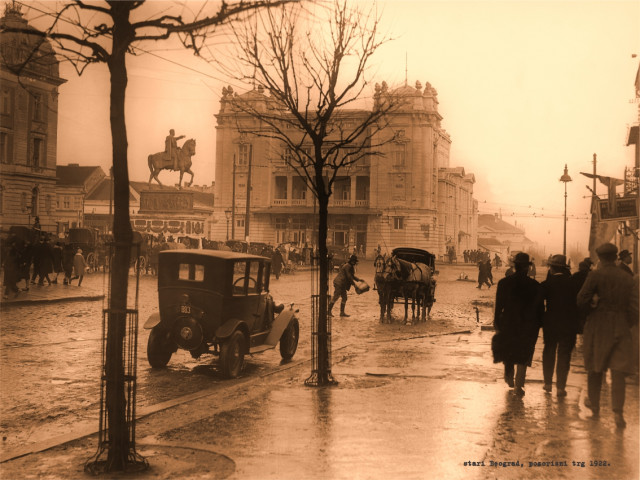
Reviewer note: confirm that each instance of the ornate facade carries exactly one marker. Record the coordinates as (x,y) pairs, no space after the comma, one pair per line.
(29,82)
(408,196)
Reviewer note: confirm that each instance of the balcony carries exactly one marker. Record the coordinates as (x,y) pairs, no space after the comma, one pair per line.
(362,203)
(299,202)
(279,201)
(340,203)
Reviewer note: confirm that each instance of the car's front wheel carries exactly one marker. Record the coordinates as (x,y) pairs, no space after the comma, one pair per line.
(289,340)
(158,352)
(232,355)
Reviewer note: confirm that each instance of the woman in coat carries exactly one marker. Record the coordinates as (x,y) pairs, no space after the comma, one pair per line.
(518,316)
(607,335)
(79,266)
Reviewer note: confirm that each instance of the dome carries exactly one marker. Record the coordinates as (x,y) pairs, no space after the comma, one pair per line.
(17,48)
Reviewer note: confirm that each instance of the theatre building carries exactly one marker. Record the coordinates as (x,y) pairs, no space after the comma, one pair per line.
(408,196)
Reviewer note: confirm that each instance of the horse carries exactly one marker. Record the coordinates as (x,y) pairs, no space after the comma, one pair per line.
(415,284)
(161,161)
(384,283)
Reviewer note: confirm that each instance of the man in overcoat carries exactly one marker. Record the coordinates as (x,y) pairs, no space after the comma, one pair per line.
(607,335)
(342,283)
(560,323)
(518,316)
(625,261)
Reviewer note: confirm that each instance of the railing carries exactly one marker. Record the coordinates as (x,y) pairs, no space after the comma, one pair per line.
(299,201)
(340,203)
(362,203)
(280,201)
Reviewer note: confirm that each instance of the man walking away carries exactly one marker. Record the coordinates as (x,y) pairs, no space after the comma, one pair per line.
(483,274)
(607,335)
(342,283)
(560,323)
(57,260)
(79,267)
(518,315)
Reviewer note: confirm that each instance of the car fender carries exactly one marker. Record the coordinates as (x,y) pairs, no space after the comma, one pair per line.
(279,326)
(225,330)
(152,321)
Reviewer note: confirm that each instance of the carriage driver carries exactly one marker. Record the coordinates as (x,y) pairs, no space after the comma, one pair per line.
(171,147)
(342,283)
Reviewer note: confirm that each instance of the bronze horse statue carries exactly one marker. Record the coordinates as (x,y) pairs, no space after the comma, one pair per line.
(161,161)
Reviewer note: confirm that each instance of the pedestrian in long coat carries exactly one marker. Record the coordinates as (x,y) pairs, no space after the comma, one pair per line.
(11,267)
(560,323)
(578,279)
(45,253)
(57,260)
(79,266)
(607,335)
(276,262)
(483,275)
(67,263)
(518,316)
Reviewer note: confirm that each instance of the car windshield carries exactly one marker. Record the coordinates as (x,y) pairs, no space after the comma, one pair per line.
(247,277)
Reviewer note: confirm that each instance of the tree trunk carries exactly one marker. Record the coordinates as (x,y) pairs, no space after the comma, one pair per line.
(323,344)
(122,235)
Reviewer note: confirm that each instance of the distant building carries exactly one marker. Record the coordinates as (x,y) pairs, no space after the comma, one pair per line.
(73,184)
(497,236)
(28,125)
(409,196)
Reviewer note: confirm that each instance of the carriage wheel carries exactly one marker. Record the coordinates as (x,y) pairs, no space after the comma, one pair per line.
(91,262)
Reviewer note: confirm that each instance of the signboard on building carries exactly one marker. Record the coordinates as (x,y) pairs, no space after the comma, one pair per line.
(166,202)
(624,209)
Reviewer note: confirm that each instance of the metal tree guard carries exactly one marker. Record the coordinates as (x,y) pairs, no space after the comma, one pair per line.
(318,371)
(99,462)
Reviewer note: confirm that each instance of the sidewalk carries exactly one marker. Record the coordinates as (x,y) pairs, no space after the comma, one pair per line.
(51,294)
(411,409)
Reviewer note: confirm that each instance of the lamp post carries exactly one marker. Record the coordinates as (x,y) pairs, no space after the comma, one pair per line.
(565,178)
(227,213)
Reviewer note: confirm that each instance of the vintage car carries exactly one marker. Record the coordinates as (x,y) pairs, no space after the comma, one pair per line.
(217,302)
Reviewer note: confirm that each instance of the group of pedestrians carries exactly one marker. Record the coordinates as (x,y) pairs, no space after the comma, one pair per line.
(40,262)
(601,304)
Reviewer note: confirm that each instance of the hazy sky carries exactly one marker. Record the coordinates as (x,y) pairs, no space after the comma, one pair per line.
(524,87)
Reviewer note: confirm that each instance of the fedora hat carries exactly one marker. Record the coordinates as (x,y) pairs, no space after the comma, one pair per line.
(558,261)
(624,253)
(522,258)
(353,259)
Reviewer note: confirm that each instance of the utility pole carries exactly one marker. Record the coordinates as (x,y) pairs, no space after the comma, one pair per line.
(248,206)
(233,201)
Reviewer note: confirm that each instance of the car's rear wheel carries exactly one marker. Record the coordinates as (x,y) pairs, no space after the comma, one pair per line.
(232,355)
(158,352)
(289,340)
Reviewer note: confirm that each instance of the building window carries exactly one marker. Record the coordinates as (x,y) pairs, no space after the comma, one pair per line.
(244,154)
(38,107)
(399,157)
(398,223)
(281,223)
(281,188)
(240,222)
(48,204)
(6,147)
(6,106)
(66,203)
(36,155)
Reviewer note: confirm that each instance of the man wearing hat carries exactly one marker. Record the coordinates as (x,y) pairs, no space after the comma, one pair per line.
(607,335)
(518,315)
(625,261)
(560,323)
(342,283)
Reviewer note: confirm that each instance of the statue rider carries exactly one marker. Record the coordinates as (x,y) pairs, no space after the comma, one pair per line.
(171,147)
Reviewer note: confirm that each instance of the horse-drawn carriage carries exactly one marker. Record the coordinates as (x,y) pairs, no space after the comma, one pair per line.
(87,240)
(407,274)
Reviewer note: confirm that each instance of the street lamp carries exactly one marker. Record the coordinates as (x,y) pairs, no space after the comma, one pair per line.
(227,213)
(565,178)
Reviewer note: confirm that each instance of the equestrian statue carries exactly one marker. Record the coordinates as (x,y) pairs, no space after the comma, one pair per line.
(173,158)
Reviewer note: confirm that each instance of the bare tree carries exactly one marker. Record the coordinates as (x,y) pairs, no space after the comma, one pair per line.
(315,75)
(105,32)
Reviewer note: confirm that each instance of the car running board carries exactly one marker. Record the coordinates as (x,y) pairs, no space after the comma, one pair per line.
(260,349)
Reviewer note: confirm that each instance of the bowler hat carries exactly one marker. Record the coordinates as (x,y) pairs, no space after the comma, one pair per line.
(522,258)
(558,261)
(607,249)
(624,253)
(353,259)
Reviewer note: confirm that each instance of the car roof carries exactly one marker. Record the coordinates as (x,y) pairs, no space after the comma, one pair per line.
(218,254)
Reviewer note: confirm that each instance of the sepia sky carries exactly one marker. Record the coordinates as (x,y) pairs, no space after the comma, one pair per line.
(524,87)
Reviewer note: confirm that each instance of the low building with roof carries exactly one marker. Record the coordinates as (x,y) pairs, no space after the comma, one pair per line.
(498,236)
